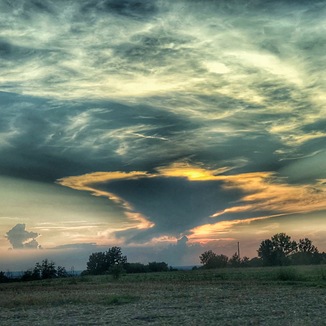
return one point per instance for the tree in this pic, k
(27, 276)
(219, 261)
(235, 260)
(44, 270)
(307, 253)
(62, 272)
(276, 251)
(211, 260)
(157, 266)
(48, 269)
(3, 277)
(135, 268)
(206, 257)
(245, 261)
(305, 245)
(116, 270)
(266, 252)
(100, 262)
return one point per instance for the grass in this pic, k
(290, 274)
(120, 299)
(251, 296)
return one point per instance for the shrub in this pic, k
(289, 274)
(158, 267)
(116, 271)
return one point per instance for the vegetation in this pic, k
(103, 262)
(220, 292)
(44, 270)
(279, 250)
(224, 296)
(133, 293)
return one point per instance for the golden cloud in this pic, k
(262, 191)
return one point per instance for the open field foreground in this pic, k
(253, 296)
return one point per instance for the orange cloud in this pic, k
(223, 230)
(263, 191)
(88, 182)
(191, 172)
(267, 192)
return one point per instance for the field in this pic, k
(248, 296)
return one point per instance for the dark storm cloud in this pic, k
(174, 205)
(135, 9)
(20, 238)
(45, 140)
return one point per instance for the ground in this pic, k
(218, 297)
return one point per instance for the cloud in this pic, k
(77, 246)
(129, 8)
(182, 199)
(20, 238)
(308, 168)
(90, 90)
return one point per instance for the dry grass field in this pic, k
(253, 296)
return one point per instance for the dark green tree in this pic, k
(235, 260)
(307, 253)
(276, 251)
(305, 245)
(206, 256)
(157, 266)
(266, 252)
(27, 275)
(100, 262)
(219, 261)
(245, 261)
(116, 270)
(135, 268)
(211, 260)
(3, 277)
(46, 269)
(62, 272)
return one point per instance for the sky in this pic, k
(167, 128)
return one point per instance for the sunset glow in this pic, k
(160, 126)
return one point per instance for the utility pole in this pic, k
(239, 249)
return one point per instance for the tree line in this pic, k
(279, 250)
(115, 263)
(111, 262)
(41, 271)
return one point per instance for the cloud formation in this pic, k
(20, 238)
(182, 199)
(185, 114)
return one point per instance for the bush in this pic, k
(116, 271)
(3, 277)
(158, 267)
(289, 274)
(135, 268)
